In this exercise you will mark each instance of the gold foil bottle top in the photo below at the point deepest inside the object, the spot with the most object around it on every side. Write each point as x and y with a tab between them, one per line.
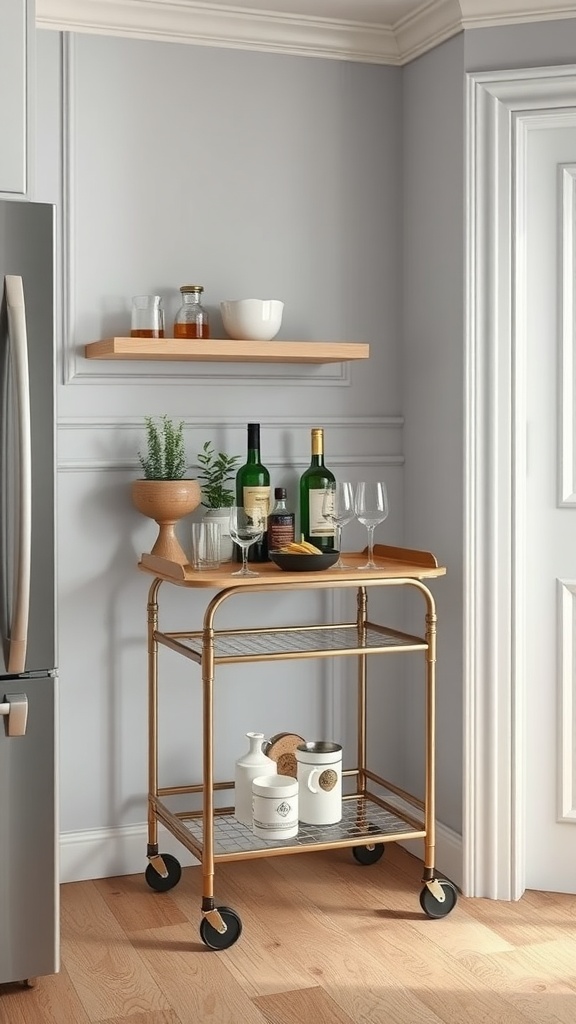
317	441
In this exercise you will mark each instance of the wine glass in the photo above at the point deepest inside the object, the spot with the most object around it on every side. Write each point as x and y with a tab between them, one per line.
247	526
338	508
371	505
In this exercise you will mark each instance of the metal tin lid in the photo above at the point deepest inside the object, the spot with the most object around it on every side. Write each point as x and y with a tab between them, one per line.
192	288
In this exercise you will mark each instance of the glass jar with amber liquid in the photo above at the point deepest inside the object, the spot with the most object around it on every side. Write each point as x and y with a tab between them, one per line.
191	319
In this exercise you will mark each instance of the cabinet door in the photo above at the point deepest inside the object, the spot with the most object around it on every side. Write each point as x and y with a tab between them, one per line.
16	27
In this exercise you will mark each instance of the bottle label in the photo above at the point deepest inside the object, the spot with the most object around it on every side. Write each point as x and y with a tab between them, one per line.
257	497
280	530
318	525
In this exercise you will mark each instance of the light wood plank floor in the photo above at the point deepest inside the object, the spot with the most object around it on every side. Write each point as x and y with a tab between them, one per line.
324	941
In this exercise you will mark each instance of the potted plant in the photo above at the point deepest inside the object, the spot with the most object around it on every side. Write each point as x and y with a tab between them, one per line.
163	494
216	471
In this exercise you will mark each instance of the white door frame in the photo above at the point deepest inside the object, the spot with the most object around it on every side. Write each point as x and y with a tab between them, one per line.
501	108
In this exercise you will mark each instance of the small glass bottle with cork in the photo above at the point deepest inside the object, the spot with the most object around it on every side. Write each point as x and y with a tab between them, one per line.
192	319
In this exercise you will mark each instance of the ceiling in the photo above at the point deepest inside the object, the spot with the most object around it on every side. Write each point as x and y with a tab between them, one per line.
371	31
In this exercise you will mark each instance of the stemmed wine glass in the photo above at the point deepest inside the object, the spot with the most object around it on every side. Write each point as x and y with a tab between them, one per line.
247	526
371	505
338	508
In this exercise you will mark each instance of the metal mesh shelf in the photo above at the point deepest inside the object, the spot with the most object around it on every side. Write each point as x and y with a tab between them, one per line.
361	818
294	643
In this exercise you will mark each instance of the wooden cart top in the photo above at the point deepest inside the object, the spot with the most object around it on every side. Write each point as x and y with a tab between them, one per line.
392	562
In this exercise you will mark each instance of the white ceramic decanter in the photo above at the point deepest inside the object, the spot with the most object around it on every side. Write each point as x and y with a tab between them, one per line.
253	763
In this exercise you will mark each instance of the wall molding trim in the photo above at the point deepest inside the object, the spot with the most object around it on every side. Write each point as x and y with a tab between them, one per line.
277	422
566	702
216	374
87	465
104	444
567	425
389	41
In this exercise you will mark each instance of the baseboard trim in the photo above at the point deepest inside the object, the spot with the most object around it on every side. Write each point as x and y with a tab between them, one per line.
107	852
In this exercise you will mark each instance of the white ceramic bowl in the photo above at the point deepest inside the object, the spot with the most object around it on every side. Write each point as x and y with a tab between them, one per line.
252	319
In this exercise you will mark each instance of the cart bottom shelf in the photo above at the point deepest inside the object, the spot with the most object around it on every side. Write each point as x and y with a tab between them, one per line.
363	822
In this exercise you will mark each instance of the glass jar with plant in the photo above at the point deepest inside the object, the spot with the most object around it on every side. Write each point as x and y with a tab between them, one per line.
163	494
215	472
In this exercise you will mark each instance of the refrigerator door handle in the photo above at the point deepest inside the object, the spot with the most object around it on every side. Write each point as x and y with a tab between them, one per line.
15	710
18	635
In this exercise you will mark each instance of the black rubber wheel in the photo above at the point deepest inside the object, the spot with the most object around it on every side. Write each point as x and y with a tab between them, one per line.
155	881
432	907
368	854
216	940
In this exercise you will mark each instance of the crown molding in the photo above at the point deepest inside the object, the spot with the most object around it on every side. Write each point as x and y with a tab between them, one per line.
231	27
275	31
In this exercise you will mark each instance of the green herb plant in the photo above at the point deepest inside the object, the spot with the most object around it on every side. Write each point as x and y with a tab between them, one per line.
165	457
216	470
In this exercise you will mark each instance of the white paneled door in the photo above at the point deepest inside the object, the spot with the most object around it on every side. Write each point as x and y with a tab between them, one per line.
548	195
520	527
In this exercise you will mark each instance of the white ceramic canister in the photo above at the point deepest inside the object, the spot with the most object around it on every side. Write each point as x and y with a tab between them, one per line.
275	807
253	763
320	782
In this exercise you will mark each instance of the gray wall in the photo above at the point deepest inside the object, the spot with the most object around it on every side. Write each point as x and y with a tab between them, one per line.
340	189
255	175
520	46
432	373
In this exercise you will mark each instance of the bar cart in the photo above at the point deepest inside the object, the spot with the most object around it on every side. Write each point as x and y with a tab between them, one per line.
376	811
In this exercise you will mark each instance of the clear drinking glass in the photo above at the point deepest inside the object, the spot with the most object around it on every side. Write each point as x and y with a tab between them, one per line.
147	317
338	508
247	525
371	504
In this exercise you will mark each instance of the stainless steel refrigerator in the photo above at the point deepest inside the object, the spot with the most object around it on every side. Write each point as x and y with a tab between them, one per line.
29	919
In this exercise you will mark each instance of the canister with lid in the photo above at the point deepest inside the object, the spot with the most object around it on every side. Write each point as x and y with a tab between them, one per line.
192	319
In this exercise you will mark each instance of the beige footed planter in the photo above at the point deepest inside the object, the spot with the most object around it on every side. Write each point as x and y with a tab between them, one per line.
167	501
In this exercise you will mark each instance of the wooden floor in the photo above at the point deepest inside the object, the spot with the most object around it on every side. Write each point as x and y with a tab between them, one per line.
324	941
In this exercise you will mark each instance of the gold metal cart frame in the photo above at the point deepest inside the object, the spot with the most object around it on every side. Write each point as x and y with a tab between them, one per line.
376	812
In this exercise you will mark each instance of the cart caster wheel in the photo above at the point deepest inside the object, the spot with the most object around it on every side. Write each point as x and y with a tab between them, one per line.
155	881
431	906
216	940
368	854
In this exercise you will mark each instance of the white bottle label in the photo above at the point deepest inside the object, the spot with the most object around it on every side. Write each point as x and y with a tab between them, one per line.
257	497
318	525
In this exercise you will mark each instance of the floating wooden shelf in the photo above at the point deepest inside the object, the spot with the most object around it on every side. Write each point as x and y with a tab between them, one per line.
213	351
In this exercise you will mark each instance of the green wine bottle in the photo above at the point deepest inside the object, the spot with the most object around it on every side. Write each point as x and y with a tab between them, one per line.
253	489
313	526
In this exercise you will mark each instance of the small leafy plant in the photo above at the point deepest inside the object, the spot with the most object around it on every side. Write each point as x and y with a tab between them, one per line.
216	470
165	458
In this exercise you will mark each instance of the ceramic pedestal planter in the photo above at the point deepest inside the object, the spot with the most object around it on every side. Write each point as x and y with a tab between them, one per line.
167	501
222	516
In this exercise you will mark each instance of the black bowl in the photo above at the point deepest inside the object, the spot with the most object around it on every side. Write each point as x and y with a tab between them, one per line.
304	563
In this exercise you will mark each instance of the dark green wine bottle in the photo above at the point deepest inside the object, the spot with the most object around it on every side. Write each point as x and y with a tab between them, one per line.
313	526
253	488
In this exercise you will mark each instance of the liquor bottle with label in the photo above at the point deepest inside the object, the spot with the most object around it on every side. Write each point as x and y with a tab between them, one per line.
253	488
280	522
191	319
313	526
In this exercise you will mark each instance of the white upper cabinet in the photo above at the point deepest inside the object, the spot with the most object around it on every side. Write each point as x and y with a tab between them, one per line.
17	30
